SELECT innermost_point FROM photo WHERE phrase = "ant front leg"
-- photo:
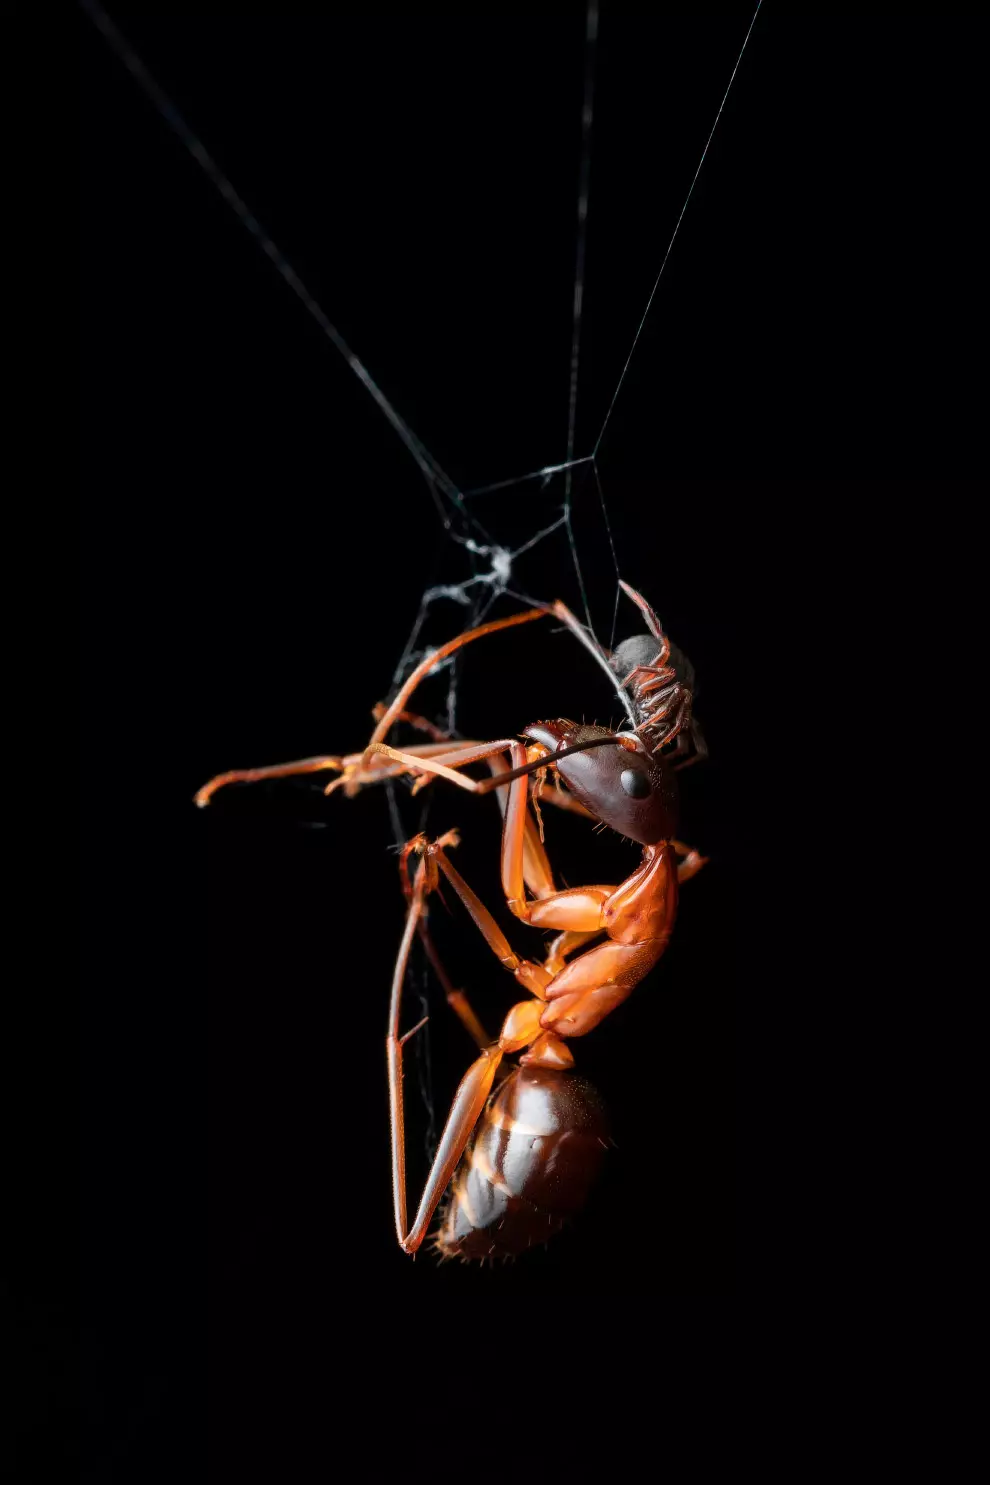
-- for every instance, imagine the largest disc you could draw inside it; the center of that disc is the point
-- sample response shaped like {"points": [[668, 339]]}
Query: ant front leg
{"points": [[577, 909], [692, 863], [353, 770], [362, 768], [637, 917], [563, 946], [273, 771]]}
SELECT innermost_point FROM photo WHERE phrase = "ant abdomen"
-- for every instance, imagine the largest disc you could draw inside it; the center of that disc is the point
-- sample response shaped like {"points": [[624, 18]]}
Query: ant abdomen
{"points": [[536, 1153]]}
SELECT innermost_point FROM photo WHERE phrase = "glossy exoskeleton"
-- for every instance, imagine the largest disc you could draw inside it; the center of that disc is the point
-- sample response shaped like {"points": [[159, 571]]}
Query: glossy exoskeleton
{"points": [[538, 1136]]}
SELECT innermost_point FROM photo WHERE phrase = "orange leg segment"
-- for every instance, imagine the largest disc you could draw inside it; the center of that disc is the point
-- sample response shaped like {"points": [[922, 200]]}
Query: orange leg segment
{"points": [[691, 864], [576, 908], [533, 977], [423, 669], [520, 1029], [469, 1100], [273, 771], [563, 946], [456, 999], [349, 766]]}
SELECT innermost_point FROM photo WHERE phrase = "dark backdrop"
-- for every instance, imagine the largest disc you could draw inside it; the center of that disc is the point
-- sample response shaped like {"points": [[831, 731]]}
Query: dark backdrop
{"points": [[255, 543]]}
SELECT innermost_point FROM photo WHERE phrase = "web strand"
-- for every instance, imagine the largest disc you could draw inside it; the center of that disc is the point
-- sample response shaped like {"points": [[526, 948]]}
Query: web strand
{"points": [[577, 565], [492, 567], [435, 477], [545, 474], [584, 183], [677, 227], [615, 560]]}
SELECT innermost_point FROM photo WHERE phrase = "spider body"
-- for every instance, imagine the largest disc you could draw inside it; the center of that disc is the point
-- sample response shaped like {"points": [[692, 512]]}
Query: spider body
{"points": [[639, 653], [522, 1157], [659, 680]]}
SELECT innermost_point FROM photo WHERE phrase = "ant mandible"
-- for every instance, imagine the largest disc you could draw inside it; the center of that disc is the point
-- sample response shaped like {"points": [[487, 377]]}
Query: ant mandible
{"points": [[539, 1137]]}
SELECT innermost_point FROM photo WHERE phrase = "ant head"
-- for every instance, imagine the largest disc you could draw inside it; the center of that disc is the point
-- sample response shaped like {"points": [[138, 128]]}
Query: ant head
{"points": [[616, 778]]}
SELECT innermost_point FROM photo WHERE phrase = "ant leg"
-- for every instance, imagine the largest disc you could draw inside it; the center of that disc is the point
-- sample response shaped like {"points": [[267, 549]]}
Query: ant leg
{"points": [[413, 720], [469, 1100], [638, 918], [561, 799], [456, 999], [429, 661], [348, 766], [355, 770], [520, 1029], [577, 908], [583, 905], [438, 763], [536, 864], [273, 771], [692, 863], [564, 944], [529, 974], [358, 769]]}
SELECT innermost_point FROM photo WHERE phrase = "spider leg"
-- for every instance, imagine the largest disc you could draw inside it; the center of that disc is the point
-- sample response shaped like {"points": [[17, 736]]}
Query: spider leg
{"points": [[596, 652], [652, 623], [658, 679], [685, 738], [681, 698]]}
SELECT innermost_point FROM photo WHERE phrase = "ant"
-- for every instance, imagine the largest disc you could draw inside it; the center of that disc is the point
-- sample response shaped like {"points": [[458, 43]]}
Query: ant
{"points": [[538, 1139]]}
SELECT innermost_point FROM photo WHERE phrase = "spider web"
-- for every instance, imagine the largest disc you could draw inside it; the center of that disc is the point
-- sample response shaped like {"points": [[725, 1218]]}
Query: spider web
{"points": [[494, 550]]}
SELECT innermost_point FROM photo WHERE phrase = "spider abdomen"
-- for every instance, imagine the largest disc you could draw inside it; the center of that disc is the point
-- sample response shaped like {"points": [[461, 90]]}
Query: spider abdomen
{"points": [[536, 1152]]}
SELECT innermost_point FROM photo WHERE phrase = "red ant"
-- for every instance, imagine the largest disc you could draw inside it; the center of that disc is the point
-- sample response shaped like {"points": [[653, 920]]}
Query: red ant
{"points": [[539, 1138]]}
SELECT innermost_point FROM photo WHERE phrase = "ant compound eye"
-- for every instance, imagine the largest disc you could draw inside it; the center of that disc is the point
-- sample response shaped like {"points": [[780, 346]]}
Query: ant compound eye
{"points": [[635, 783]]}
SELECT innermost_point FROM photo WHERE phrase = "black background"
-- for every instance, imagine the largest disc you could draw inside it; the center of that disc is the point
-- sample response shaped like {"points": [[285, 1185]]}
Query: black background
{"points": [[256, 539]]}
